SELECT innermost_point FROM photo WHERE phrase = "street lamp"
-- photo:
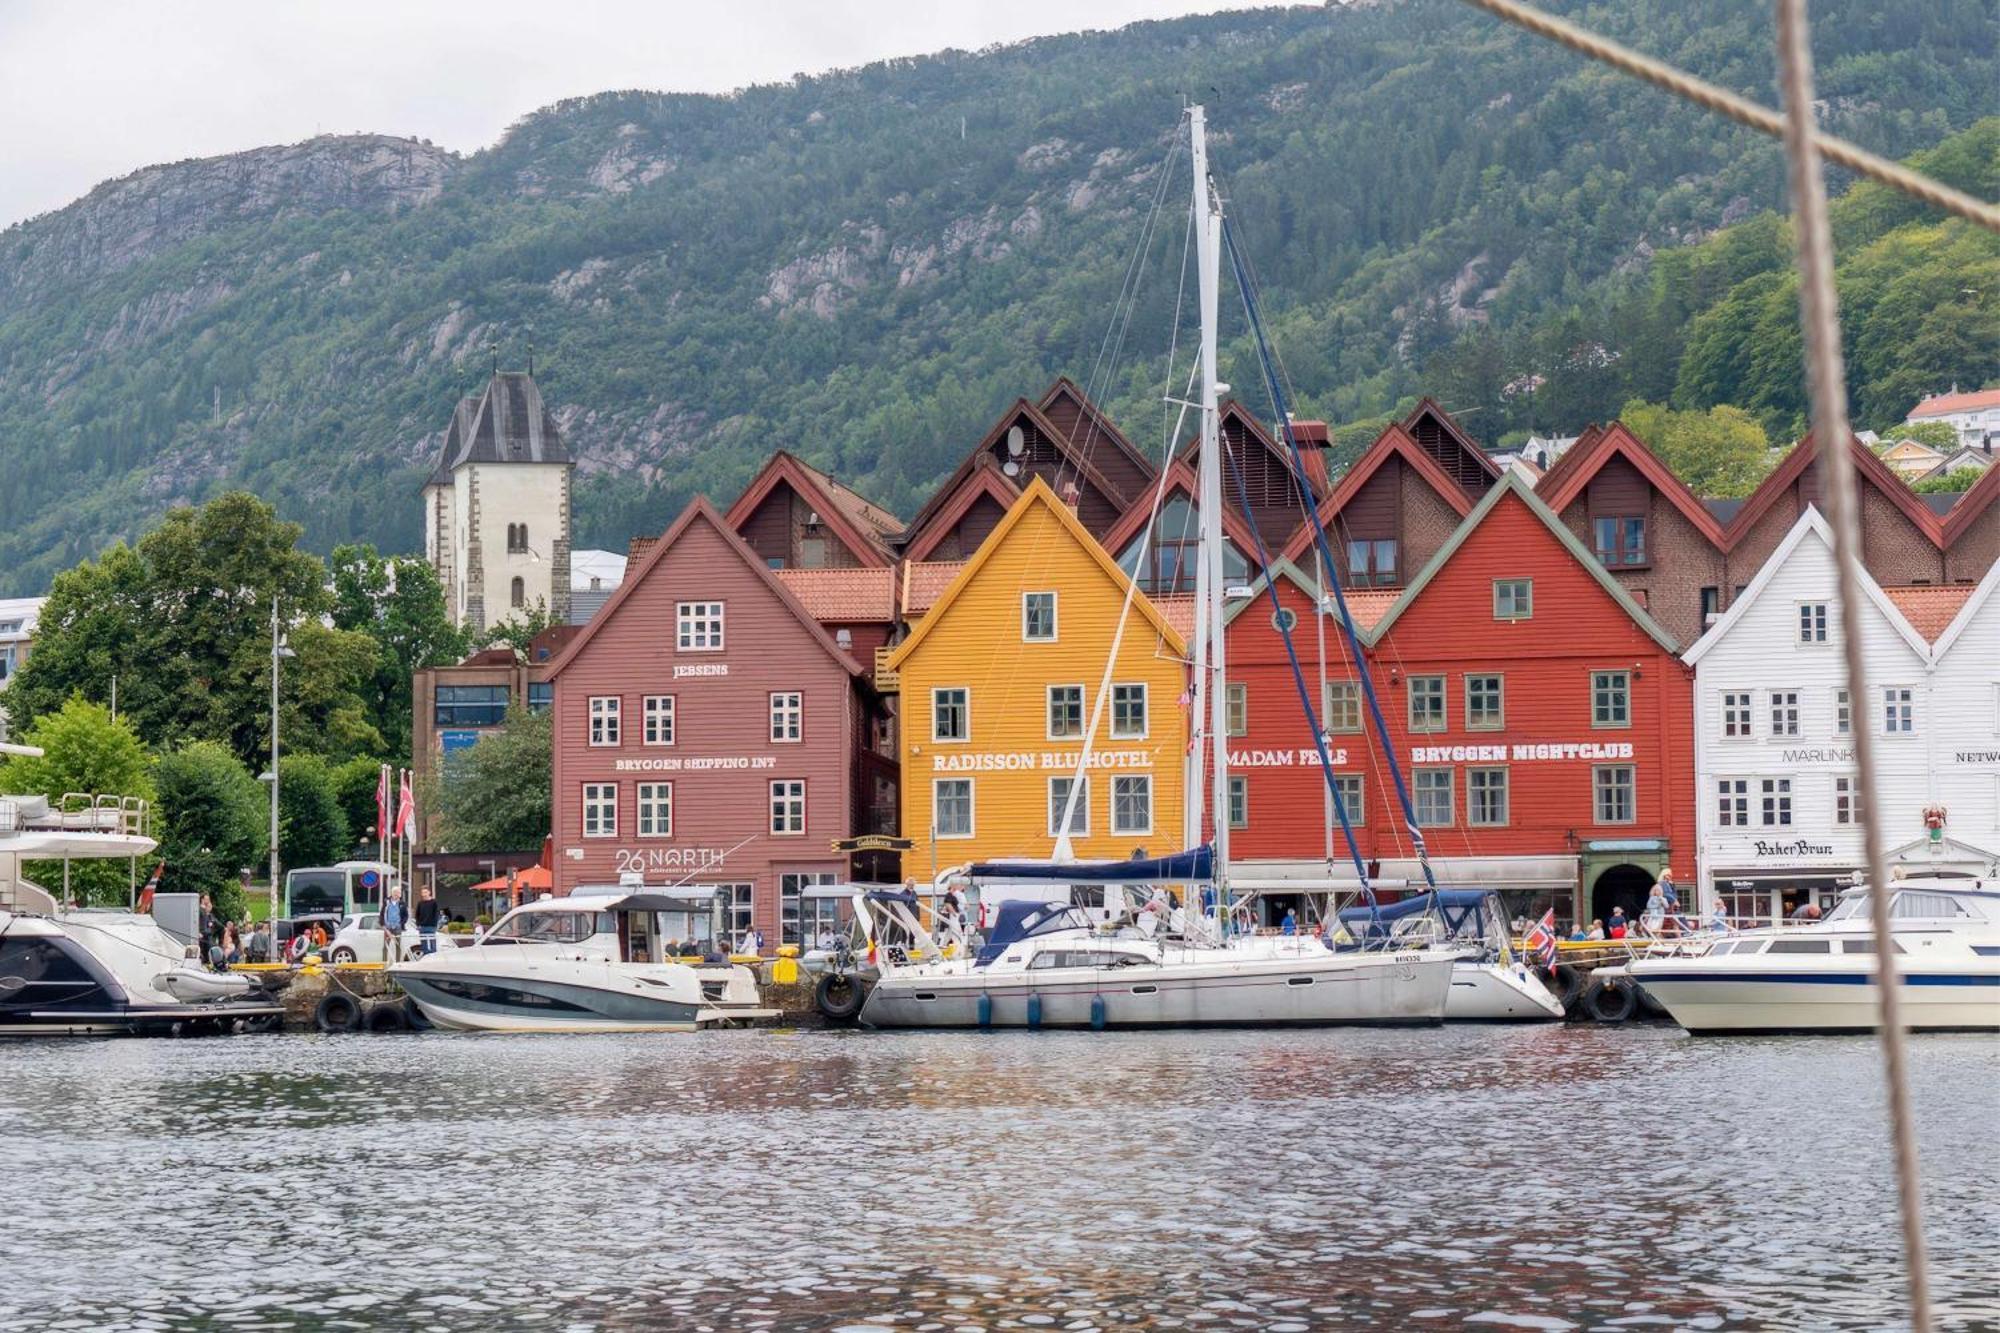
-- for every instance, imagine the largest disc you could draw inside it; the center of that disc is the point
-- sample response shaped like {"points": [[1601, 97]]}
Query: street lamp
{"points": [[279, 651]]}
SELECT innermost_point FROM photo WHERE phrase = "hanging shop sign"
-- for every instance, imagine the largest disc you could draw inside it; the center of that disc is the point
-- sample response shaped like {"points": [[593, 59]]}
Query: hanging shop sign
{"points": [[640, 860], [1801, 847]]}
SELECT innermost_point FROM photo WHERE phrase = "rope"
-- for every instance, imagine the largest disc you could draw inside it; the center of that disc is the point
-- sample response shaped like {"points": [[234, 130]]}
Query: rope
{"points": [[1743, 111], [1819, 311]]}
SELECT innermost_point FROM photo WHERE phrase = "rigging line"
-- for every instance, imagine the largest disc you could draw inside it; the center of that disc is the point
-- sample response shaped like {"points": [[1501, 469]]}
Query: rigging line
{"points": [[1743, 111], [1819, 312], [1319, 537]]}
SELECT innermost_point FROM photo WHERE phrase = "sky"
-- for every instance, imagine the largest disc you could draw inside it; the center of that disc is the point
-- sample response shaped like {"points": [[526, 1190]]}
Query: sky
{"points": [[93, 89]]}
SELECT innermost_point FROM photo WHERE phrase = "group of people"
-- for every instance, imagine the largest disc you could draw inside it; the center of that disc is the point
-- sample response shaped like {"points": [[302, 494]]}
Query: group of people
{"points": [[225, 942], [429, 916]]}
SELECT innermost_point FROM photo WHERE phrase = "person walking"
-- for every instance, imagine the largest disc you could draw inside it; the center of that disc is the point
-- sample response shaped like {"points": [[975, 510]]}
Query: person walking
{"points": [[394, 917], [428, 913], [210, 931], [1654, 919]]}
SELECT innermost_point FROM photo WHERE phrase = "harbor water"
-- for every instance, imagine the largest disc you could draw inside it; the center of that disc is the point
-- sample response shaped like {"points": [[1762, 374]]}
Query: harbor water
{"points": [[1532, 1178]]}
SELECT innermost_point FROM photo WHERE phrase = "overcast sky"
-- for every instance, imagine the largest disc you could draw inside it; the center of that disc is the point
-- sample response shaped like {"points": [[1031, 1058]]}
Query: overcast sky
{"points": [[91, 89]]}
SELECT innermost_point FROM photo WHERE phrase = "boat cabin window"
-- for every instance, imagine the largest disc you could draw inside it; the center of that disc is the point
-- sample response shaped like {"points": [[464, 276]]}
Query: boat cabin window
{"points": [[1866, 946], [1746, 946], [1926, 906], [556, 927], [1801, 946], [1087, 958]]}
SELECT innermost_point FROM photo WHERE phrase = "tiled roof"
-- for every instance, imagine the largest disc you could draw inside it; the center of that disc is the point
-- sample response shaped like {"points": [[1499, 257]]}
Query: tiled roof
{"points": [[844, 596], [1177, 610], [858, 509], [1930, 608], [1943, 404], [1369, 605], [925, 582]]}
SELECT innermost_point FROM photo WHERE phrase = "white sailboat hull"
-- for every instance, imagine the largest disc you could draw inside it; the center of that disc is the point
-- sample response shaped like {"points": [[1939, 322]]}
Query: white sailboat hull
{"points": [[1491, 992]]}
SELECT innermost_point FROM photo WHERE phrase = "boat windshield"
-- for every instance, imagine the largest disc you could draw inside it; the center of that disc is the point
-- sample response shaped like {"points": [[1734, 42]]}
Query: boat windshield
{"points": [[1906, 905], [555, 927]]}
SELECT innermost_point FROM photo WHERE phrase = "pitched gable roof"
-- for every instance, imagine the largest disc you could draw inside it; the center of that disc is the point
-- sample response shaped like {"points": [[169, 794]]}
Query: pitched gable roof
{"points": [[1094, 427], [1440, 437], [862, 526], [1180, 477], [699, 510], [1867, 465], [854, 595], [1036, 494], [958, 500], [1981, 594], [1280, 567], [1586, 458], [1022, 412], [1976, 500], [1945, 404], [1930, 607], [1393, 442]]}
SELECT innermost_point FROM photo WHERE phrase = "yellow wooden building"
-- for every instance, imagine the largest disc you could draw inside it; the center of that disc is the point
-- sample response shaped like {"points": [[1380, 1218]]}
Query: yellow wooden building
{"points": [[1001, 680]]}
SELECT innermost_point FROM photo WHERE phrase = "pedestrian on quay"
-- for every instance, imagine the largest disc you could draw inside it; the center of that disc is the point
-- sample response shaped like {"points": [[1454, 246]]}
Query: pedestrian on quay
{"points": [[1654, 918], [394, 917], [209, 929], [428, 913], [1577, 934], [1290, 925], [1617, 927], [1718, 916], [232, 950], [1596, 929]]}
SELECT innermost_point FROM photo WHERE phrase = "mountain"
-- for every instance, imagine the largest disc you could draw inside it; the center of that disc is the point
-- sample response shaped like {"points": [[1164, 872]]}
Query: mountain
{"points": [[865, 266]]}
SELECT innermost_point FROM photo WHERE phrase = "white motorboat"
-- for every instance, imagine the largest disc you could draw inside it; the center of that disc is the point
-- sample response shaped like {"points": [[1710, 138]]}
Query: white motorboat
{"points": [[1821, 977], [590, 962]]}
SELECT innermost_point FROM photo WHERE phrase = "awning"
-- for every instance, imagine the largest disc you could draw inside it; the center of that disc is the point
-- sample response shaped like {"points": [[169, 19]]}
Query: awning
{"points": [[1489, 872], [1196, 863], [535, 879]]}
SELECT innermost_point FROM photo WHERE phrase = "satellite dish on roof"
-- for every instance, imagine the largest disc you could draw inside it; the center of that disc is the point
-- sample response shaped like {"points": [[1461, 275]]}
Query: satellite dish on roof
{"points": [[1017, 441], [1011, 468]]}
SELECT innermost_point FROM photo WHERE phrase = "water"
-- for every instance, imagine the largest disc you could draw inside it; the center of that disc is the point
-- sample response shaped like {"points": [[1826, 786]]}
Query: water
{"points": [[1463, 1177]]}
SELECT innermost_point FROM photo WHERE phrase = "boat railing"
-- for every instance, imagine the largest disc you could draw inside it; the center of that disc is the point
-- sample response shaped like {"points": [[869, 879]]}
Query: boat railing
{"points": [[75, 812]]}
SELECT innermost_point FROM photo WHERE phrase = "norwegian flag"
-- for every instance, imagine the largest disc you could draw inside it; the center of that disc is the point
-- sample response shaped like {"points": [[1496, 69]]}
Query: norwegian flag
{"points": [[1541, 941], [382, 803], [406, 813]]}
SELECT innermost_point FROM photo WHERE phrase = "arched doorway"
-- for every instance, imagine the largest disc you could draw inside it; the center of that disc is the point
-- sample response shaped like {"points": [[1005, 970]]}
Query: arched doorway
{"points": [[1623, 885]]}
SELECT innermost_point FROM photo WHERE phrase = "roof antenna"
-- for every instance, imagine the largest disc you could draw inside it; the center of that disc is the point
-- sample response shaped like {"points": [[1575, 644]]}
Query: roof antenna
{"points": [[531, 358], [493, 352]]}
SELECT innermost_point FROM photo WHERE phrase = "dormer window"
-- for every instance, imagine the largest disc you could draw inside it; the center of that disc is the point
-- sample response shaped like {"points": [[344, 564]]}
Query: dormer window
{"points": [[1620, 541], [1371, 562]]}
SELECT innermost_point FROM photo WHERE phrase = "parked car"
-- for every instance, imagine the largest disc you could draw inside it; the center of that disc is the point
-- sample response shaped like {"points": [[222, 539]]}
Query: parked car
{"points": [[359, 940]]}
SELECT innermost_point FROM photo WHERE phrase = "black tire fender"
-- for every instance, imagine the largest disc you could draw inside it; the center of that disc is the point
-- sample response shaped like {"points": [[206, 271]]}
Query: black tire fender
{"points": [[387, 1016], [413, 1015], [337, 1011], [1611, 1003], [838, 996]]}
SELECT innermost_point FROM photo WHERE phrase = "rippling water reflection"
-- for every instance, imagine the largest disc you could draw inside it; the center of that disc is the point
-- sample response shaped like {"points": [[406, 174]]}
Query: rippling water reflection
{"points": [[1542, 1178]]}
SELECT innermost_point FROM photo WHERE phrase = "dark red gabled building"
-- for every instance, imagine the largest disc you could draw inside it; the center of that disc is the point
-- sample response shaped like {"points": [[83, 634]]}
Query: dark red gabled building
{"points": [[1388, 514], [795, 516]]}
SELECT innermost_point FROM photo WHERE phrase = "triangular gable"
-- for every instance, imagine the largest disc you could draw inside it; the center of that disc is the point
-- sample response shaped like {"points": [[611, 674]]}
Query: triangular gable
{"points": [[1037, 493], [1233, 413], [957, 503], [1096, 426], [1966, 614], [1976, 500], [1393, 442], [1021, 411], [1575, 469], [1513, 484], [1462, 459], [832, 502], [1811, 523], [1571, 457], [1867, 465], [1180, 478], [1297, 577], [699, 510]]}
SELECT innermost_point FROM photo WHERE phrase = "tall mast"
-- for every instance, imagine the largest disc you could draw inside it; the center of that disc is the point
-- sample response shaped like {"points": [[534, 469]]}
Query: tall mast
{"points": [[1195, 768], [1208, 607]]}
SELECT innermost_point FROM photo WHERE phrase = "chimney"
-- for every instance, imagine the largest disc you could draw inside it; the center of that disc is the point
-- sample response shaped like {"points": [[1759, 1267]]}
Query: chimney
{"points": [[1072, 494]]}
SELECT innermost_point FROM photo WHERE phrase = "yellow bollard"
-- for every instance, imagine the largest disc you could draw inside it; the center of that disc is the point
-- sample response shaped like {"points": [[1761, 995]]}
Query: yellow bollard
{"points": [[785, 971]]}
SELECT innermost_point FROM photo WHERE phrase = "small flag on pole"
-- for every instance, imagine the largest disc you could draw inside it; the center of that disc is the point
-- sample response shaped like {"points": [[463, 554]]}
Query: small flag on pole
{"points": [[1541, 941], [406, 814], [382, 803]]}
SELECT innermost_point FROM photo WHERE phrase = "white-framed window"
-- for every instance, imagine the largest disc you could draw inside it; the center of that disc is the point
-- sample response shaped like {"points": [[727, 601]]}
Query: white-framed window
{"points": [[1079, 820], [739, 912], [1784, 712], [802, 920], [1735, 714], [1513, 599], [600, 809], [1486, 797], [1899, 716], [1846, 800], [1236, 711], [1615, 797], [951, 807], [1038, 617], [1129, 721], [788, 806], [1812, 622], [604, 719], [698, 627], [1485, 702], [951, 713], [788, 716], [656, 809], [1427, 707], [1132, 803], [1065, 712], [1433, 797], [656, 717], [1239, 800], [1843, 714], [1732, 803], [1610, 699], [1349, 787], [1343, 706], [1775, 802]]}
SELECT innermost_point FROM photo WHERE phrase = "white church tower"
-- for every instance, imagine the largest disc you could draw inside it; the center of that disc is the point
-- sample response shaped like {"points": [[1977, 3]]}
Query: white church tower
{"points": [[496, 509]]}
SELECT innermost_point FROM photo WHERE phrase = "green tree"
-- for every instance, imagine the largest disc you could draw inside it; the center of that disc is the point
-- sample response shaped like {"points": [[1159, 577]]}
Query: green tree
{"points": [[398, 603], [1944, 483], [312, 831], [1937, 434], [84, 750], [1719, 452], [212, 820], [518, 631], [494, 796]]}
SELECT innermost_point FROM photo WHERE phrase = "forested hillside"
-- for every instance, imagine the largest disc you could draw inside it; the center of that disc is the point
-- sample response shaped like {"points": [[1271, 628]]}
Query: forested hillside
{"points": [[865, 266]]}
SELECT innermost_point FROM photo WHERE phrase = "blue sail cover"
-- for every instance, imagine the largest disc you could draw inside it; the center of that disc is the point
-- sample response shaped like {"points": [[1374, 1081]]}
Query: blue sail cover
{"points": [[1194, 865], [1459, 909]]}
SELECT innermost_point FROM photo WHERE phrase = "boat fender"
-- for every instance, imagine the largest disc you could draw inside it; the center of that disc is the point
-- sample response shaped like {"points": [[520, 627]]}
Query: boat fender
{"points": [[1610, 1003], [337, 1012], [414, 1017], [387, 1017], [985, 1010], [1034, 1011], [1570, 984], [838, 996], [1097, 1013]]}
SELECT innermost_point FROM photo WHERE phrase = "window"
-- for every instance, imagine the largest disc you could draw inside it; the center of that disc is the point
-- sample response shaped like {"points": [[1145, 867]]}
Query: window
{"points": [[1613, 786], [1711, 604], [739, 912], [1735, 714], [951, 808], [6, 660], [656, 716], [1777, 802], [1620, 541], [788, 806], [1239, 800], [1610, 698], [656, 809], [1079, 820], [1784, 712], [698, 627], [1128, 712], [1065, 712], [1513, 599], [1485, 703], [1486, 797], [1349, 787], [541, 695], [1843, 714], [1167, 561], [1800, 946], [951, 713], [1371, 563], [1284, 620], [787, 716], [1434, 797], [1343, 705], [517, 541], [1898, 713], [1238, 710], [604, 719], [518, 594], [470, 705], [1847, 800], [1732, 806], [1812, 622], [1132, 803], [1427, 703], [801, 920], [600, 809], [1038, 617]]}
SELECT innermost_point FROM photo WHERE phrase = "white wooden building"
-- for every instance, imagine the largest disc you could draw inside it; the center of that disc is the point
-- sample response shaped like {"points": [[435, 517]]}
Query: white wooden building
{"points": [[1779, 809]]}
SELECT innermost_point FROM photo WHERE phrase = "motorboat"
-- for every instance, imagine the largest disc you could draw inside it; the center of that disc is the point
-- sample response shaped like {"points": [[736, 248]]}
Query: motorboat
{"points": [[1820, 977], [589, 962], [1492, 982]]}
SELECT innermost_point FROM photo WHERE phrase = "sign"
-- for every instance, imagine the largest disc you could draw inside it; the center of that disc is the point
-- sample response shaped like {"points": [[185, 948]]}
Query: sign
{"points": [[448, 741], [1818, 755], [1981, 757], [1030, 761], [1306, 756], [685, 669], [638, 860], [693, 764], [1520, 754], [1799, 848], [872, 842]]}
